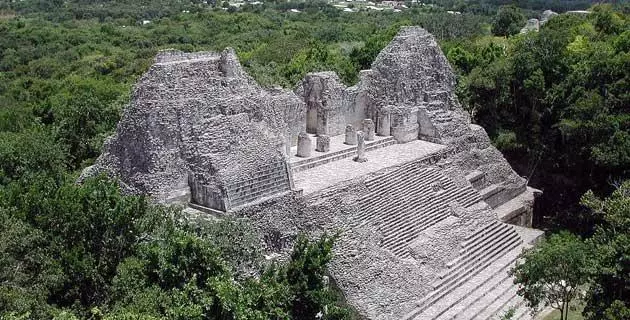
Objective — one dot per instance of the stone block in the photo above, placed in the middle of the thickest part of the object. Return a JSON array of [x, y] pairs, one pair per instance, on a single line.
[[304, 145], [323, 143], [360, 147], [368, 129], [351, 135]]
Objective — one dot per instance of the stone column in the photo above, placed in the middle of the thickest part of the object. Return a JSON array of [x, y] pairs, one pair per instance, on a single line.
[[360, 147], [351, 135], [384, 123], [322, 143], [303, 145], [368, 129]]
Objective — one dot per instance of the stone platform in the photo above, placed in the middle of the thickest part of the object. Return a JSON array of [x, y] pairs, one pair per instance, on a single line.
[[329, 174], [336, 145]]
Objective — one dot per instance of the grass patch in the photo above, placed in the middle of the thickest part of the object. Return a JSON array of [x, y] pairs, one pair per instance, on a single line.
[[575, 312]]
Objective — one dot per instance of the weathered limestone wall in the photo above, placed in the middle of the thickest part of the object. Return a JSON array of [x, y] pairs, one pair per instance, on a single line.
[[408, 93], [330, 105], [198, 121]]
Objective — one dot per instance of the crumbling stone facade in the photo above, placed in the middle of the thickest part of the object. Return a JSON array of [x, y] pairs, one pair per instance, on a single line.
[[420, 211]]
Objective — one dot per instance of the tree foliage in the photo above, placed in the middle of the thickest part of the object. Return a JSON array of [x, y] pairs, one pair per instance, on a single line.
[[556, 103], [88, 251], [509, 21], [609, 294], [552, 273]]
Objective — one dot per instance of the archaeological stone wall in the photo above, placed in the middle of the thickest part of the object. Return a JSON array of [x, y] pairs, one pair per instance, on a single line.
[[191, 118], [409, 94]]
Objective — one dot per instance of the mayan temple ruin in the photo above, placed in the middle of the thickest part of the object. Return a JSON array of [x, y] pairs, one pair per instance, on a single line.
[[431, 215]]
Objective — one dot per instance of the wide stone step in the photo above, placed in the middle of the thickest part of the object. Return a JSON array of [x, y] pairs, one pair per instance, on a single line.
[[422, 163], [408, 186], [424, 209], [255, 186], [400, 180], [483, 295], [406, 201], [413, 222], [388, 203], [418, 180], [463, 273], [505, 243], [376, 182], [278, 188], [259, 179], [497, 307], [480, 232], [413, 213], [271, 180], [441, 299], [489, 236], [384, 202], [490, 298], [411, 189]]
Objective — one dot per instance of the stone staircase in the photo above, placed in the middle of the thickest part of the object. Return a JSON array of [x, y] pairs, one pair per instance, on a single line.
[[477, 179], [273, 180], [476, 284], [508, 203], [440, 116], [409, 200], [327, 157]]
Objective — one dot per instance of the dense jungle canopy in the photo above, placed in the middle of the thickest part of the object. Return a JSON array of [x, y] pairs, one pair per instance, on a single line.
[[555, 102]]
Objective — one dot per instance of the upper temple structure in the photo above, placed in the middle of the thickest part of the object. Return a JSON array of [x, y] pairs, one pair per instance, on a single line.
[[431, 216]]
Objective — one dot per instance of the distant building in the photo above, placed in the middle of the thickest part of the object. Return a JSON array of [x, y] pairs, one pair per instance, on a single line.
[[392, 4], [546, 15], [532, 25], [579, 11]]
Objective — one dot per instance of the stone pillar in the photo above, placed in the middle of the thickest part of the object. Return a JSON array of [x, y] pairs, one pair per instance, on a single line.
[[368, 129], [323, 143], [304, 145], [351, 135], [360, 147], [384, 123]]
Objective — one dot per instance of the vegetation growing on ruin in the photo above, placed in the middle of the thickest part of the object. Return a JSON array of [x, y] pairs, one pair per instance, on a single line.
[[556, 102]]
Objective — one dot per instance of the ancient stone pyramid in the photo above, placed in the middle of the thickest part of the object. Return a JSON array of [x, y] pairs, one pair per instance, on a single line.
[[423, 216]]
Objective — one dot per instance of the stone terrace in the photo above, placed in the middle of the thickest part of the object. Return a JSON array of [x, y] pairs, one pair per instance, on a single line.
[[332, 173]]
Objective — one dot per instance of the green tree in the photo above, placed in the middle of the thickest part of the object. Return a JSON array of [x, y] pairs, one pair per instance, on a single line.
[[313, 296], [552, 273], [609, 292], [508, 21]]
